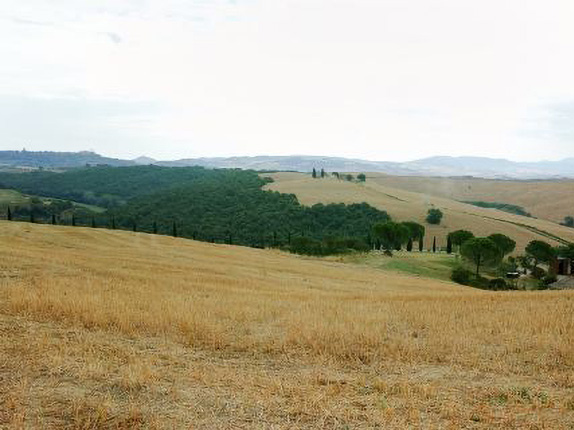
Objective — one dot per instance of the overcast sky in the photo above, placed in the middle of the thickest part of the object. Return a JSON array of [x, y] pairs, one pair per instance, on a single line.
[[375, 79]]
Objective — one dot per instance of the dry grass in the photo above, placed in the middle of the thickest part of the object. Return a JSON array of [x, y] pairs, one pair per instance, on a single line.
[[408, 205], [102, 329], [551, 200]]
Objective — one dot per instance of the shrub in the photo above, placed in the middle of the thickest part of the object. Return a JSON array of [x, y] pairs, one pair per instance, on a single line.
[[434, 216], [462, 276], [538, 273], [498, 284], [549, 279], [480, 282]]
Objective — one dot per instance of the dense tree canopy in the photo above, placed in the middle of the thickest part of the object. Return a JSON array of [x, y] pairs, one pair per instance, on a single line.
[[416, 230], [458, 237], [219, 205], [540, 251], [481, 252], [391, 235], [505, 244]]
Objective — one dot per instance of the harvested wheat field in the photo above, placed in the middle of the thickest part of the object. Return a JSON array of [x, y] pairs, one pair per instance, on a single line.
[[405, 205], [106, 329], [548, 199]]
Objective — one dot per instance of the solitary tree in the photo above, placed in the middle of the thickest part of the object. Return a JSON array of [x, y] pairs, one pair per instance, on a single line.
[[505, 244], [481, 251], [540, 251], [9, 214], [568, 221], [314, 174], [361, 177], [434, 216], [448, 245], [391, 235], [434, 244]]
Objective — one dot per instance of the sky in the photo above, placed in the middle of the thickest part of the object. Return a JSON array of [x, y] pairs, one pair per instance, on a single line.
[[389, 80]]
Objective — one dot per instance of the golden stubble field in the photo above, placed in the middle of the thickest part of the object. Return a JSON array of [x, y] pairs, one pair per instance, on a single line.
[[405, 205], [550, 199], [106, 329]]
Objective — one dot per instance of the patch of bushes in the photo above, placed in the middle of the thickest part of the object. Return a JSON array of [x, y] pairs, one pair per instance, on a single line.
[[538, 273], [505, 207], [498, 284], [328, 246], [462, 276]]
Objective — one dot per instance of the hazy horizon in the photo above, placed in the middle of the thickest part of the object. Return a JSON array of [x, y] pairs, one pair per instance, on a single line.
[[389, 80]]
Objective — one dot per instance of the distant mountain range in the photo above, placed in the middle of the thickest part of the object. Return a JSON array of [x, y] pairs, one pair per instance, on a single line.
[[434, 166], [49, 159]]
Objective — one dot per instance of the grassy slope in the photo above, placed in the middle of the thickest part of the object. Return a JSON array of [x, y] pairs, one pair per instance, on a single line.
[[552, 200], [428, 265], [406, 205], [12, 197], [109, 329], [15, 198]]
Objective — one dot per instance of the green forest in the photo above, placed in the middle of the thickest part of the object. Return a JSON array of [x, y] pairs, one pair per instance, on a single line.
[[220, 205]]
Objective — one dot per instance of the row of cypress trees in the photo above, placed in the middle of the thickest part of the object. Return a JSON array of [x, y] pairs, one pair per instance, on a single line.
[[74, 221], [229, 239]]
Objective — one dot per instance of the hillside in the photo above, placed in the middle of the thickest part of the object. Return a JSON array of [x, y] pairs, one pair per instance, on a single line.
[[50, 159], [552, 199], [407, 205], [103, 329], [223, 205]]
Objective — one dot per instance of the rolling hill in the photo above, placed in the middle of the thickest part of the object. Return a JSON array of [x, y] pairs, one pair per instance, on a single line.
[[406, 205], [482, 167], [103, 329], [551, 199]]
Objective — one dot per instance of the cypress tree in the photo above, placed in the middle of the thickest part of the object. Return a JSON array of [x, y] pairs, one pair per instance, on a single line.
[[53, 219], [174, 230], [449, 245], [421, 243], [322, 173], [154, 227], [314, 174], [410, 245], [9, 214], [434, 244]]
